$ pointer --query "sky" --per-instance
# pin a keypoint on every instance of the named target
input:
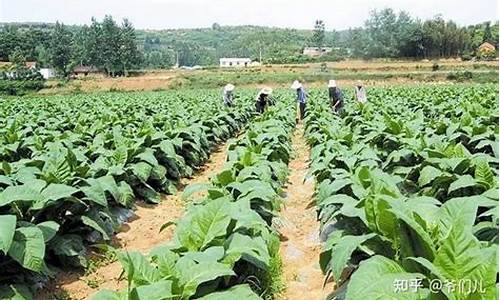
(166, 14)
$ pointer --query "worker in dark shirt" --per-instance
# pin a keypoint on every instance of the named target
(263, 99)
(336, 97)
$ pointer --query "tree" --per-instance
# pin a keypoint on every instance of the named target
(17, 59)
(216, 26)
(318, 37)
(129, 55)
(382, 28)
(110, 46)
(60, 49)
(487, 36)
(81, 47)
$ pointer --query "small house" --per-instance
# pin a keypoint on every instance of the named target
(316, 51)
(227, 62)
(47, 73)
(82, 71)
(486, 47)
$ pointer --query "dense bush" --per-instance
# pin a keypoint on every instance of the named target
(20, 81)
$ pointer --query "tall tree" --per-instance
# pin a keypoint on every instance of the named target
(487, 36)
(129, 55)
(60, 49)
(110, 48)
(318, 37)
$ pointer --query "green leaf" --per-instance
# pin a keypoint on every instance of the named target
(159, 290)
(253, 250)
(142, 170)
(138, 268)
(49, 229)
(28, 248)
(166, 260)
(192, 275)
(67, 245)
(58, 191)
(463, 181)
(237, 292)
(27, 192)
(109, 295)
(428, 174)
(7, 229)
(205, 223)
(342, 251)
(15, 292)
(194, 188)
(94, 221)
(484, 175)
(375, 279)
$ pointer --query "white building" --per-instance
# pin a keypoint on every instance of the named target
(234, 62)
(47, 73)
(316, 51)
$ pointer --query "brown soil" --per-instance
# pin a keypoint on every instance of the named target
(141, 233)
(300, 252)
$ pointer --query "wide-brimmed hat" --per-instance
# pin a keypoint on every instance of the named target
(332, 83)
(229, 87)
(296, 85)
(266, 91)
(359, 83)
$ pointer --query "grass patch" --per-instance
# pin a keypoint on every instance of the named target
(100, 258)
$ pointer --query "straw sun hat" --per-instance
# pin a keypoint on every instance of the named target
(332, 83)
(229, 87)
(296, 85)
(266, 91)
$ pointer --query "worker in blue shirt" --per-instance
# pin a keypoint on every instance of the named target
(301, 97)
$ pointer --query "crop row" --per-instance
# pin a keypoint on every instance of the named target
(224, 246)
(73, 167)
(407, 193)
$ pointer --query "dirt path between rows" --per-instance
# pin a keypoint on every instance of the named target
(300, 253)
(140, 233)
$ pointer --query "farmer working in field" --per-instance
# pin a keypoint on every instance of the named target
(360, 92)
(336, 97)
(301, 97)
(227, 95)
(263, 99)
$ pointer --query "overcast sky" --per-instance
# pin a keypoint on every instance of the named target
(161, 14)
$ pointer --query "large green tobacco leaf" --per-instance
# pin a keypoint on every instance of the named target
(253, 250)
(15, 292)
(138, 268)
(428, 174)
(28, 248)
(342, 251)
(484, 175)
(7, 229)
(463, 181)
(204, 224)
(49, 229)
(379, 217)
(94, 221)
(237, 292)
(415, 239)
(165, 259)
(193, 274)
(29, 191)
(52, 193)
(460, 255)
(375, 279)
(160, 290)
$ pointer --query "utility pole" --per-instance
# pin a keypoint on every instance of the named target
(260, 54)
